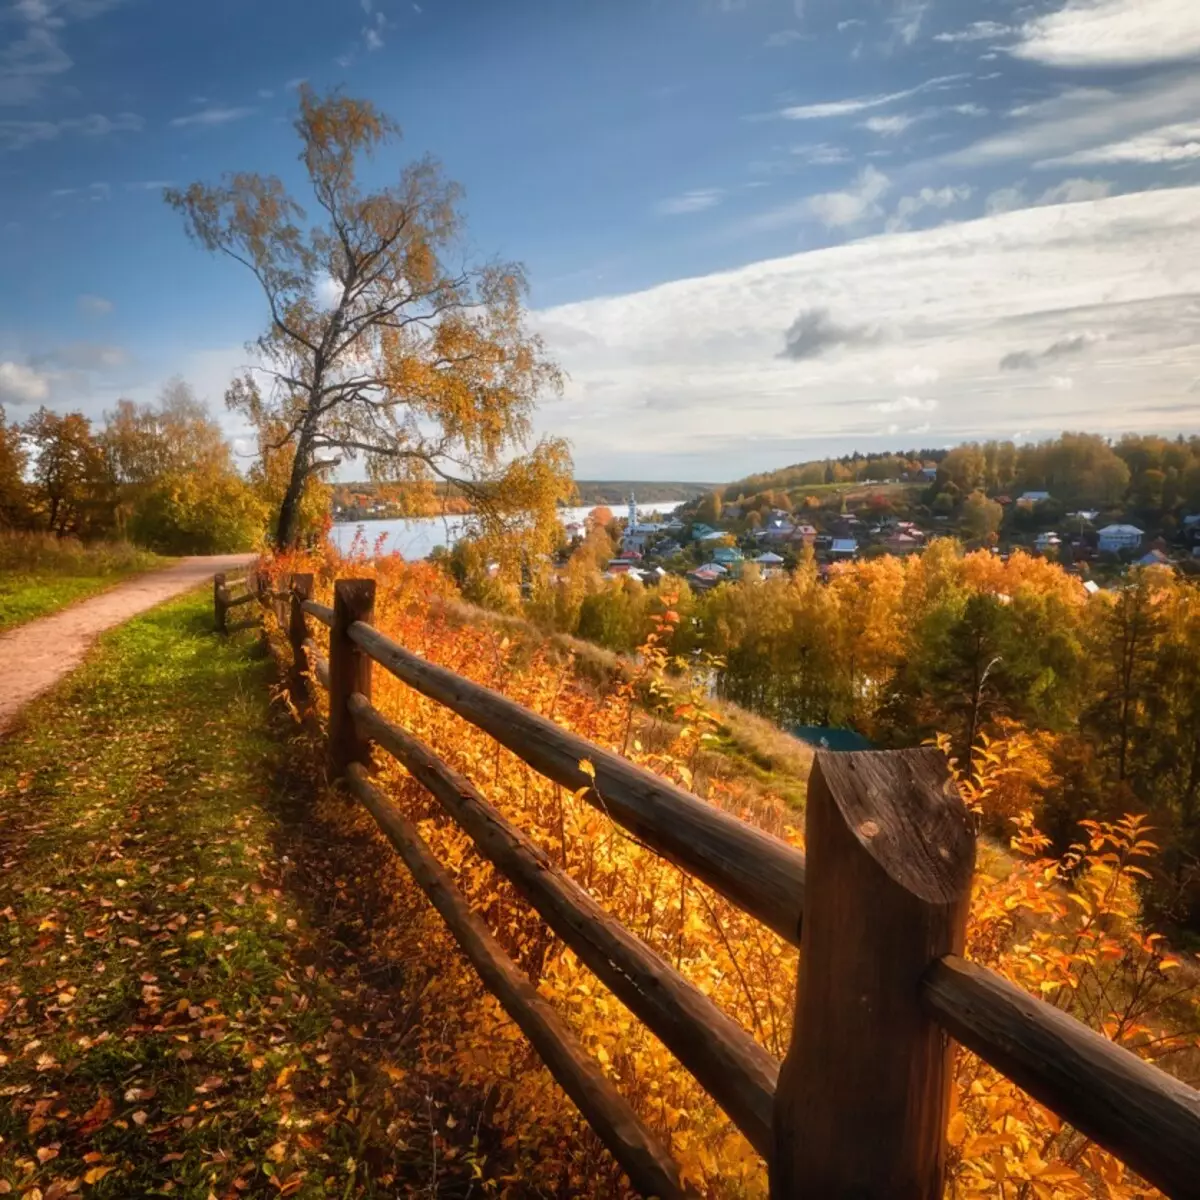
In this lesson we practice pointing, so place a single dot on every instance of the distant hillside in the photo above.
(850, 468)
(616, 491)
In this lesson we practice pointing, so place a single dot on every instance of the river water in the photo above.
(415, 537)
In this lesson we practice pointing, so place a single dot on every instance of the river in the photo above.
(415, 537)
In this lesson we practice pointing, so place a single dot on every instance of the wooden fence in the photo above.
(859, 1105)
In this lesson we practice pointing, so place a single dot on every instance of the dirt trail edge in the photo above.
(34, 657)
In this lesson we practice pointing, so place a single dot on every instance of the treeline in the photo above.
(161, 475)
(1146, 474)
(616, 491)
(1081, 707)
(850, 468)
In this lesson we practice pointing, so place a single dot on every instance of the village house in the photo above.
(903, 543)
(1032, 499)
(1115, 538)
(843, 547)
(1047, 541)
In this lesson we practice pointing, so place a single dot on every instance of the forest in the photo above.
(161, 475)
(1090, 703)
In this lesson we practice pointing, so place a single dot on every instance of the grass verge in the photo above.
(40, 574)
(184, 1008)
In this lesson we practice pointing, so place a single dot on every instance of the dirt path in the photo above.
(36, 656)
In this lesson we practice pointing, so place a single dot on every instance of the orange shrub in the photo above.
(1068, 931)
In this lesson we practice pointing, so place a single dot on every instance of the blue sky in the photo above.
(755, 229)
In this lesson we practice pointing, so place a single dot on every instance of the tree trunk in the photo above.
(287, 530)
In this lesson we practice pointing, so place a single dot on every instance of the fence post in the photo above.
(302, 589)
(219, 607)
(349, 672)
(864, 1093)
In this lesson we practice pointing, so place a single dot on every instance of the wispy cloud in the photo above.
(373, 31)
(94, 306)
(784, 37)
(1029, 360)
(1077, 119)
(891, 125)
(213, 116)
(1179, 142)
(908, 19)
(822, 154)
(690, 202)
(1070, 191)
(857, 104)
(905, 404)
(936, 198)
(977, 31)
(16, 135)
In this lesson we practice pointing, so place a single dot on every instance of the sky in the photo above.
(756, 231)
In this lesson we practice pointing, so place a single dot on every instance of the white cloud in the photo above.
(86, 356)
(905, 404)
(1006, 199)
(1062, 383)
(822, 155)
(1179, 142)
(909, 18)
(22, 385)
(843, 108)
(690, 202)
(328, 291)
(1106, 33)
(1074, 191)
(94, 306)
(836, 210)
(917, 376)
(977, 31)
(373, 33)
(890, 126)
(688, 376)
(16, 135)
(1077, 119)
(784, 37)
(852, 23)
(939, 198)
(213, 116)
(1070, 191)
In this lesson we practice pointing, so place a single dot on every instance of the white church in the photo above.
(637, 533)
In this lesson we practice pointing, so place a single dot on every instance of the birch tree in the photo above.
(385, 342)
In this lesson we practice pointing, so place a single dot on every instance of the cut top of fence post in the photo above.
(864, 1092)
(905, 811)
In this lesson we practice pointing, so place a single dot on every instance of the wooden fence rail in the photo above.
(860, 1105)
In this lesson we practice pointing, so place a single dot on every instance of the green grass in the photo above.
(184, 1012)
(40, 574)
